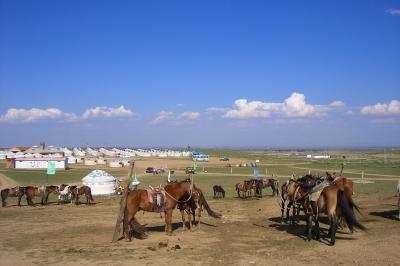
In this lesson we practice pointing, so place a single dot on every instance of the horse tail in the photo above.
(4, 196)
(208, 209)
(347, 213)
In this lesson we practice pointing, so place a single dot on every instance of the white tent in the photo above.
(101, 182)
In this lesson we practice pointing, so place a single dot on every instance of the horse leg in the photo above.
(128, 218)
(333, 228)
(19, 200)
(168, 222)
(309, 216)
(189, 215)
(183, 219)
(282, 209)
(199, 214)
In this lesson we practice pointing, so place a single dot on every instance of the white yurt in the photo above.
(100, 182)
(71, 160)
(90, 162)
(114, 164)
(100, 161)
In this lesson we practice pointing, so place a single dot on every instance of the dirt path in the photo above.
(6, 182)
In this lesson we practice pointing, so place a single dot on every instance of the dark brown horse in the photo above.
(32, 192)
(192, 203)
(139, 200)
(218, 191)
(83, 190)
(47, 191)
(12, 192)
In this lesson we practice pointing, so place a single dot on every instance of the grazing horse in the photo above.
(31, 192)
(318, 197)
(273, 183)
(190, 204)
(218, 191)
(83, 190)
(12, 192)
(47, 191)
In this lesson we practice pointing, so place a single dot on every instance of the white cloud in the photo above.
(217, 110)
(107, 112)
(35, 114)
(337, 104)
(294, 106)
(382, 108)
(393, 11)
(165, 116)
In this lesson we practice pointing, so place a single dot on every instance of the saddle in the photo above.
(157, 197)
(316, 191)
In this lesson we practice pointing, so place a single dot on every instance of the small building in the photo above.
(100, 182)
(40, 163)
(200, 157)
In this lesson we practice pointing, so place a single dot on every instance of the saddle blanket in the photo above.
(157, 197)
(316, 191)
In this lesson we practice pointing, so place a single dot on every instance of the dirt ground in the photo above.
(249, 233)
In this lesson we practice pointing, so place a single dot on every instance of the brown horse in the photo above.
(331, 200)
(139, 200)
(191, 203)
(273, 183)
(12, 192)
(31, 192)
(83, 190)
(246, 187)
(47, 191)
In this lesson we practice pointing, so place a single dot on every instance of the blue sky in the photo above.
(205, 73)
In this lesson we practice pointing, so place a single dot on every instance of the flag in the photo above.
(135, 181)
(51, 168)
(255, 173)
(195, 167)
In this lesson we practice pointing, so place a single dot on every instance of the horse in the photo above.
(65, 193)
(273, 183)
(31, 192)
(190, 204)
(83, 190)
(218, 191)
(12, 192)
(324, 198)
(245, 187)
(47, 191)
(139, 200)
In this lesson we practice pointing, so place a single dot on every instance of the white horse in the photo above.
(65, 194)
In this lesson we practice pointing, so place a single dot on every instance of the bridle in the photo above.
(182, 201)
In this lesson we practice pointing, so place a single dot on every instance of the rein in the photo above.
(183, 201)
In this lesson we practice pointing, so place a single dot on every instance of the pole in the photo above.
(362, 177)
(122, 205)
(266, 172)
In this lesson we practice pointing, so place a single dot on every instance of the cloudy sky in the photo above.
(204, 73)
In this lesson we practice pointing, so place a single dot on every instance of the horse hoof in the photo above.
(128, 240)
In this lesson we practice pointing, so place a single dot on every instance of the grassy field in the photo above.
(282, 164)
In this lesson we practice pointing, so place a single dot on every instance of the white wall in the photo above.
(39, 164)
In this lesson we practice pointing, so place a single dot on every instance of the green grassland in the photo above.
(281, 164)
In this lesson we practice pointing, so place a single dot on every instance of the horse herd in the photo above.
(66, 193)
(248, 188)
(314, 195)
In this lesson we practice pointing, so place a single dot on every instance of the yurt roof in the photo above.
(98, 176)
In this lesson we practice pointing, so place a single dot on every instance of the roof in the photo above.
(18, 148)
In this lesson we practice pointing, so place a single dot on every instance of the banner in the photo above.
(51, 168)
